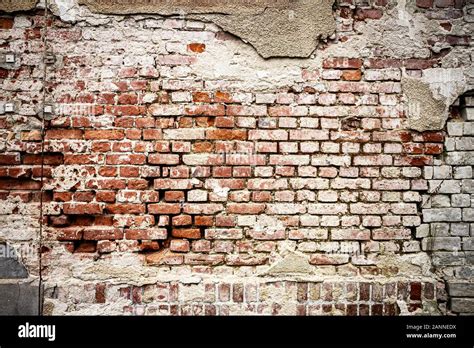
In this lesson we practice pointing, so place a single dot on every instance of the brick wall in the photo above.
(184, 174)
(448, 212)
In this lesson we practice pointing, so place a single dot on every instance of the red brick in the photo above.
(424, 3)
(163, 159)
(105, 196)
(82, 209)
(48, 159)
(125, 208)
(433, 149)
(322, 259)
(73, 233)
(86, 247)
(197, 47)
(102, 234)
(415, 291)
(17, 184)
(104, 134)
(174, 196)
(225, 122)
(222, 97)
(225, 221)
(245, 208)
(82, 159)
(148, 234)
(6, 23)
(190, 233)
(182, 220)
(4, 75)
(342, 63)
(362, 14)
(164, 208)
(84, 196)
(9, 159)
(205, 110)
(210, 260)
(352, 75)
(180, 245)
(203, 220)
(222, 172)
(130, 172)
(61, 134)
(152, 134)
(201, 97)
(434, 137)
(128, 98)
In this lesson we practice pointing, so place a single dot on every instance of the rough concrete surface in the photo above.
(19, 298)
(292, 263)
(17, 5)
(174, 7)
(275, 31)
(424, 111)
(10, 266)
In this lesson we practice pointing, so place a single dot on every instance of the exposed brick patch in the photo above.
(172, 169)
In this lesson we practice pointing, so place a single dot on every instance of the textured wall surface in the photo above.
(184, 174)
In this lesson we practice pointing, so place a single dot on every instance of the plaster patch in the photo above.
(275, 28)
(17, 5)
(428, 99)
(446, 83)
(293, 263)
(424, 111)
(408, 265)
(66, 177)
(116, 274)
(268, 224)
(10, 265)
(182, 6)
(67, 10)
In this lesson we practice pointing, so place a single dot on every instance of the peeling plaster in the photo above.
(17, 5)
(293, 263)
(424, 111)
(292, 30)
(67, 176)
(68, 10)
(428, 99)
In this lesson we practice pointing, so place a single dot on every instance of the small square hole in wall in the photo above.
(50, 59)
(9, 107)
(48, 109)
(10, 58)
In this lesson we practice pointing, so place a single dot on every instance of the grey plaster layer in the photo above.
(167, 7)
(288, 29)
(424, 111)
(19, 299)
(10, 266)
(17, 5)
